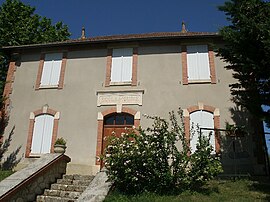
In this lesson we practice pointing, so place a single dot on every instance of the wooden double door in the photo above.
(116, 123)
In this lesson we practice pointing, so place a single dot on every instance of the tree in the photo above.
(19, 25)
(247, 51)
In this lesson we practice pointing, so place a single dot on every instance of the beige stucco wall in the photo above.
(159, 75)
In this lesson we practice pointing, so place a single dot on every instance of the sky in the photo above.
(107, 17)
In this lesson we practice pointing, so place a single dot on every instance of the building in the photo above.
(84, 89)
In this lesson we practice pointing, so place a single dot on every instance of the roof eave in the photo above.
(111, 39)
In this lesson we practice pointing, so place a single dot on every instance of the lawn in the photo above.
(5, 173)
(216, 190)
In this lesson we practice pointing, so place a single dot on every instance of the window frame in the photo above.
(45, 122)
(60, 84)
(212, 141)
(212, 71)
(207, 108)
(33, 115)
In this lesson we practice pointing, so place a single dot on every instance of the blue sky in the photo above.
(107, 17)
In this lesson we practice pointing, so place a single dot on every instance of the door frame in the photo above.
(100, 123)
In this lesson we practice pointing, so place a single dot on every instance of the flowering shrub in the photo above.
(148, 160)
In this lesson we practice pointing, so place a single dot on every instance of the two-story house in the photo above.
(84, 89)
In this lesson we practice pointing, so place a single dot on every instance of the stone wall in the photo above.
(27, 183)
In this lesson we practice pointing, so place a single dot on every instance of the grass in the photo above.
(5, 173)
(216, 190)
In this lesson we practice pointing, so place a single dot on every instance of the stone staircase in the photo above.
(67, 189)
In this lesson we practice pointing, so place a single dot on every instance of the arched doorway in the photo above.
(116, 123)
(108, 115)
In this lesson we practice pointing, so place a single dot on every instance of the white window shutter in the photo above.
(37, 135)
(203, 62)
(55, 75)
(195, 119)
(42, 134)
(47, 134)
(208, 122)
(46, 73)
(51, 69)
(116, 71)
(198, 62)
(121, 65)
(127, 64)
(192, 65)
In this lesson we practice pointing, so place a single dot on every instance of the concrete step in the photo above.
(74, 182)
(71, 187)
(64, 194)
(78, 177)
(53, 199)
(67, 189)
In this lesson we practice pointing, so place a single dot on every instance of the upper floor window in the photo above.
(198, 64)
(51, 71)
(121, 66)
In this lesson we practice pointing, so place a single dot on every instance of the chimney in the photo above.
(183, 27)
(83, 33)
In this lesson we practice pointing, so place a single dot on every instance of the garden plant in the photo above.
(158, 159)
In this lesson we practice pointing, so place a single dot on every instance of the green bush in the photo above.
(148, 160)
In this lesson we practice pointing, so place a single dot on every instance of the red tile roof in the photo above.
(117, 38)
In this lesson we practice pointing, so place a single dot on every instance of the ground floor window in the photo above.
(200, 120)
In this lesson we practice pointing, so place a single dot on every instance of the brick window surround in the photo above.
(9, 84)
(101, 116)
(207, 108)
(185, 67)
(44, 110)
(134, 67)
(62, 72)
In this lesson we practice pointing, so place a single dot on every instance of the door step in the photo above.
(67, 189)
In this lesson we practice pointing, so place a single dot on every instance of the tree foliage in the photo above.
(247, 51)
(20, 25)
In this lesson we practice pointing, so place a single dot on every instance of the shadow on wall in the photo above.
(241, 144)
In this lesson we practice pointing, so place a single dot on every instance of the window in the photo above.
(42, 134)
(51, 71)
(204, 120)
(121, 66)
(198, 64)
(119, 119)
